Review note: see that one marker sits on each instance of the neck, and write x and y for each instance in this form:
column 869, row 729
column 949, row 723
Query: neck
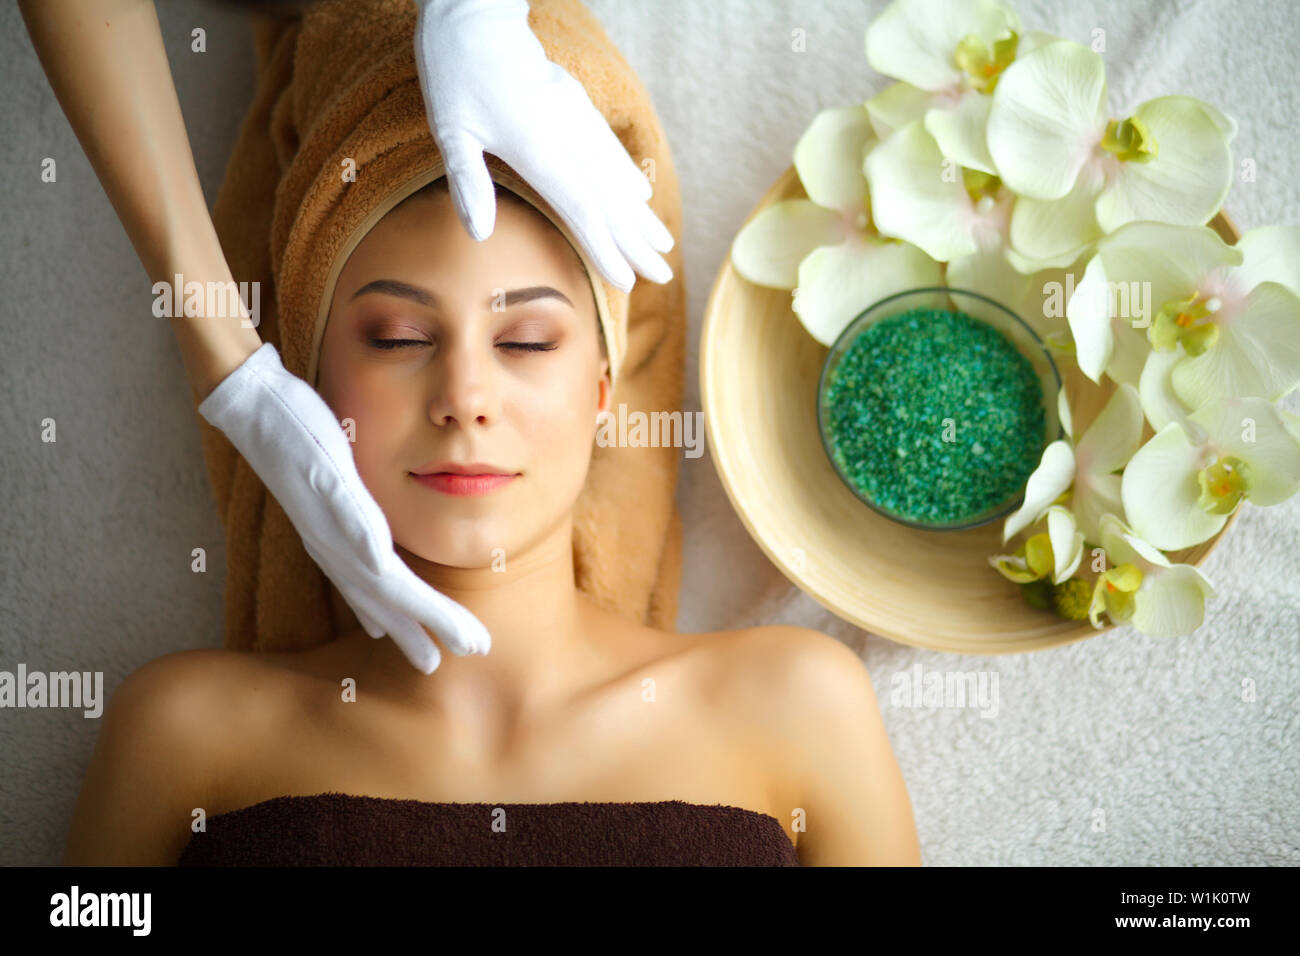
column 543, row 638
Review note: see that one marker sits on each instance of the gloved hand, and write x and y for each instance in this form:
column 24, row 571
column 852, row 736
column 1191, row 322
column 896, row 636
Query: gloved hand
column 488, row 85
column 290, row 437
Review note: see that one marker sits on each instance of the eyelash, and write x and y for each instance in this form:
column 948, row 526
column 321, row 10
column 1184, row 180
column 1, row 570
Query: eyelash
column 389, row 345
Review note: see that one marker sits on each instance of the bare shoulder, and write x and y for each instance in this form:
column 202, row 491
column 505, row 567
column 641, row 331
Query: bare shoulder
column 789, row 668
column 811, row 697
column 158, row 754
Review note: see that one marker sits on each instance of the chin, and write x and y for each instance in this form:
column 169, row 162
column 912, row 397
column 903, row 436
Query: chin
column 461, row 543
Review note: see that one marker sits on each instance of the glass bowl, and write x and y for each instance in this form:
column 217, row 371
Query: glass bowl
column 979, row 307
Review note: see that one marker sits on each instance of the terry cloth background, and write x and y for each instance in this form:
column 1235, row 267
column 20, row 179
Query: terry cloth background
column 1122, row 749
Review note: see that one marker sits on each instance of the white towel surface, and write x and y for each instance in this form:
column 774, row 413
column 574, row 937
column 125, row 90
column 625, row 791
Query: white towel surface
column 1120, row 750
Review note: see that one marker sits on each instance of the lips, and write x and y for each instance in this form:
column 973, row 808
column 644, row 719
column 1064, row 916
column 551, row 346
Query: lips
column 456, row 478
column 458, row 468
column 454, row 484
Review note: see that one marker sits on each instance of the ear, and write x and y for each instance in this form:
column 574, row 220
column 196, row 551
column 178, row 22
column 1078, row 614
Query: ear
column 606, row 399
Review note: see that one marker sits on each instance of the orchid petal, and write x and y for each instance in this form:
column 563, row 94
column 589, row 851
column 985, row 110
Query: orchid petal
column 914, row 40
column 1257, row 353
column 1147, row 556
column 911, row 199
column 1053, row 475
column 1129, row 356
column 1291, row 420
column 1056, row 229
column 1168, row 260
column 1225, row 123
column 1095, row 496
column 836, row 283
column 1114, row 435
column 1067, row 542
column 828, row 158
column 1063, row 412
column 769, row 248
column 897, row 105
column 1171, row 603
column 1027, row 266
column 1270, row 253
column 959, row 130
column 1160, row 492
column 1088, row 312
column 1031, row 41
column 1047, row 115
column 1272, row 451
column 1013, row 567
column 1115, row 535
column 1159, row 401
column 1185, row 183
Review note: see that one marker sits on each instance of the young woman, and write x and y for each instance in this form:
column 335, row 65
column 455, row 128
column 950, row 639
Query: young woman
column 572, row 704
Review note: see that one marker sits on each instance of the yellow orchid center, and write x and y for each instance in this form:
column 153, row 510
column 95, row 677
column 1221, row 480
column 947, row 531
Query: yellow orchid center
column 1130, row 141
column 1032, row 561
column 1224, row 484
column 983, row 67
column 1114, row 591
column 980, row 185
column 1189, row 321
column 1038, row 554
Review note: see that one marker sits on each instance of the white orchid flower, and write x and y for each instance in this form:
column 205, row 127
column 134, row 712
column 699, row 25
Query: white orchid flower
column 1080, row 174
column 1086, row 468
column 950, row 211
column 1144, row 589
column 1181, row 487
column 1133, row 273
column 1270, row 254
column 826, row 248
column 948, row 57
column 1055, row 552
column 1220, row 326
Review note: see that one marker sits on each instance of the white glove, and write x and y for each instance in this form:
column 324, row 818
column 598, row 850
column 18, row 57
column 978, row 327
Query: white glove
column 290, row 437
column 488, row 85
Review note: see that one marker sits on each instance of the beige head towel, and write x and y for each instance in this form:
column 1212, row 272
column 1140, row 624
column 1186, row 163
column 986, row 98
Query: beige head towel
column 338, row 83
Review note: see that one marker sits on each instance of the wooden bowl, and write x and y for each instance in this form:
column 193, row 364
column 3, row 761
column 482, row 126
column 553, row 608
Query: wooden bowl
column 758, row 385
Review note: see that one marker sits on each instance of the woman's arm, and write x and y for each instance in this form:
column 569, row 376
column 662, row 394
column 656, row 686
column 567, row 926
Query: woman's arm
column 857, row 809
column 107, row 65
column 155, row 761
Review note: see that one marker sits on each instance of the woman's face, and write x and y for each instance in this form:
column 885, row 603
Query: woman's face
column 425, row 351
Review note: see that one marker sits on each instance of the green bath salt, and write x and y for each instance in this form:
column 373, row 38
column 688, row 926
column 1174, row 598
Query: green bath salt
column 935, row 416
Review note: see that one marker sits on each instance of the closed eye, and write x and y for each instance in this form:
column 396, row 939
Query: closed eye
column 389, row 344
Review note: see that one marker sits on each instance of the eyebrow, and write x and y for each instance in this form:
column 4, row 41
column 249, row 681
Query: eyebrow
column 430, row 300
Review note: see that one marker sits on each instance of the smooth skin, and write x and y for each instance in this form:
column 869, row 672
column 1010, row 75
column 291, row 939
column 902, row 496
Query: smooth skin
column 572, row 702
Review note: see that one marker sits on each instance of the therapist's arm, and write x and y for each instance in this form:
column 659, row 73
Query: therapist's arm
column 108, row 68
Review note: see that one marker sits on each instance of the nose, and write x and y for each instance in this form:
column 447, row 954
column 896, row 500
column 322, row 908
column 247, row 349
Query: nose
column 466, row 390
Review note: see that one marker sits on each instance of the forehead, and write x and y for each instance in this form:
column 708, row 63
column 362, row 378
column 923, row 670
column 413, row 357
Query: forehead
column 424, row 231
